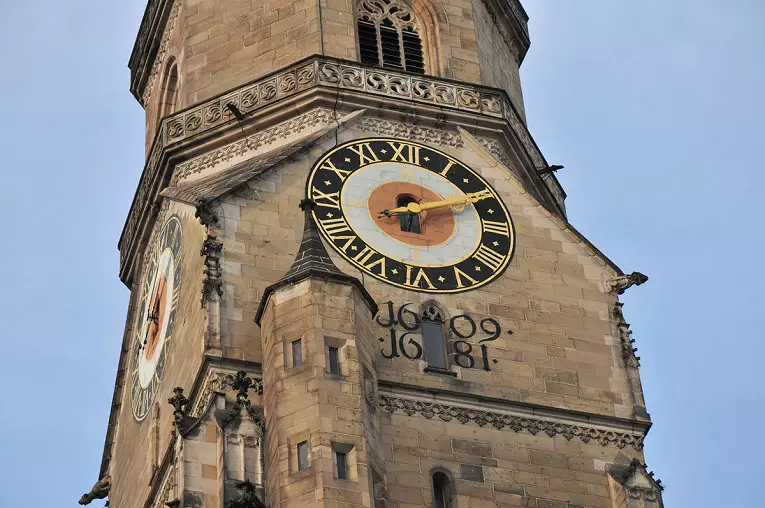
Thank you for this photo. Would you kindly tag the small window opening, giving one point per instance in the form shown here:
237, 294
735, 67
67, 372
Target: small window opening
341, 463
442, 497
333, 354
433, 337
297, 353
302, 455
410, 223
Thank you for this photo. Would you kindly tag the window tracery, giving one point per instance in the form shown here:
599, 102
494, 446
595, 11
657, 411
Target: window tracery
389, 35
433, 337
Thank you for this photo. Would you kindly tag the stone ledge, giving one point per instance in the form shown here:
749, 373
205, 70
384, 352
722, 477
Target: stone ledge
315, 74
519, 417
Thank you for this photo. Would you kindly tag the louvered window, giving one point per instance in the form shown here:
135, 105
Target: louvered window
388, 36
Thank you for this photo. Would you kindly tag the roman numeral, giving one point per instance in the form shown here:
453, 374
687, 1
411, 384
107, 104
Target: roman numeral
459, 274
365, 153
364, 258
330, 166
334, 228
447, 168
418, 279
331, 200
412, 155
500, 228
489, 257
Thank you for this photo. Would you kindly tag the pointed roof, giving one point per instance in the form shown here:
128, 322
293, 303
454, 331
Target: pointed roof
312, 260
311, 256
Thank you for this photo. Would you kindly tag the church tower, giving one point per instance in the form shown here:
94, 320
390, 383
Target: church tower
353, 282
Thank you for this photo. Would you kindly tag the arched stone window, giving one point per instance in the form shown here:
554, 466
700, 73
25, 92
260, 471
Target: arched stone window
433, 339
168, 99
389, 35
442, 491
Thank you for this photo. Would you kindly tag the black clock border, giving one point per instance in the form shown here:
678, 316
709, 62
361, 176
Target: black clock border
458, 170
174, 241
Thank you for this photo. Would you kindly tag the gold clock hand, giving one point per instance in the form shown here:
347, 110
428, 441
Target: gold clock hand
411, 208
469, 198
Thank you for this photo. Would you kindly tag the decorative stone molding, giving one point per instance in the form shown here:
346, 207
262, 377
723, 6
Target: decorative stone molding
427, 135
319, 116
242, 383
502, 421
634, 485
410, 132
212, 285
326, 73
167, 489
161, 57
218, 382
631, 362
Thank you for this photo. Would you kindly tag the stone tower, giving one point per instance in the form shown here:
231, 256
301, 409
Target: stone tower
353, 282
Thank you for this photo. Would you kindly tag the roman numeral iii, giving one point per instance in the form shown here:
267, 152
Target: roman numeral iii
500, 228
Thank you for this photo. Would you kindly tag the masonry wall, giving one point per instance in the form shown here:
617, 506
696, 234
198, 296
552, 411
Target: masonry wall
493, 468
564, 349
221, 44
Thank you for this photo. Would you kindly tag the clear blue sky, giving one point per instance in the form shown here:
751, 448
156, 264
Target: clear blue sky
654, 107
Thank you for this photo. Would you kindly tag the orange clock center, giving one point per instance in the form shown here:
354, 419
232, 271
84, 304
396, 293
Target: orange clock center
157, 310
437, 225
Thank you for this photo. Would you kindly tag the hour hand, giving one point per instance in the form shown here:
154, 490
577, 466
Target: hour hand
412, 208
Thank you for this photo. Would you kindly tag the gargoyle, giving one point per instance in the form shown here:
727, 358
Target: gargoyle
99, 491
623, 283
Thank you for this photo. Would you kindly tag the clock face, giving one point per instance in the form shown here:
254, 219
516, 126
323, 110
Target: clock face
156, 318
411, 216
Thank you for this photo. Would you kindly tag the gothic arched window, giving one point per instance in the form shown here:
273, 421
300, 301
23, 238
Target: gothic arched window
389, 35
442, 492
168, 100
433, 337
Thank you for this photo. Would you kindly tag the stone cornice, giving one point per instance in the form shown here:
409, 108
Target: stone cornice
379, 88
511, 16
147, 44
516, 416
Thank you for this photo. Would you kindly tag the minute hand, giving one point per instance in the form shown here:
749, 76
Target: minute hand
469, 198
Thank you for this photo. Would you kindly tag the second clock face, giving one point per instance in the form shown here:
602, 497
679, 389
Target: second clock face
411, 216
156, 318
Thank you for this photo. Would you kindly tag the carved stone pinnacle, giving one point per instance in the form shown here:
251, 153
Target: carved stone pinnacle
242, 383
179, 402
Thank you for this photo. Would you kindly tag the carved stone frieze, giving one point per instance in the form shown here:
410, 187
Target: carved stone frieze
427, 135
319, 116
212, 285
316, 71
410, 132
447, 413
